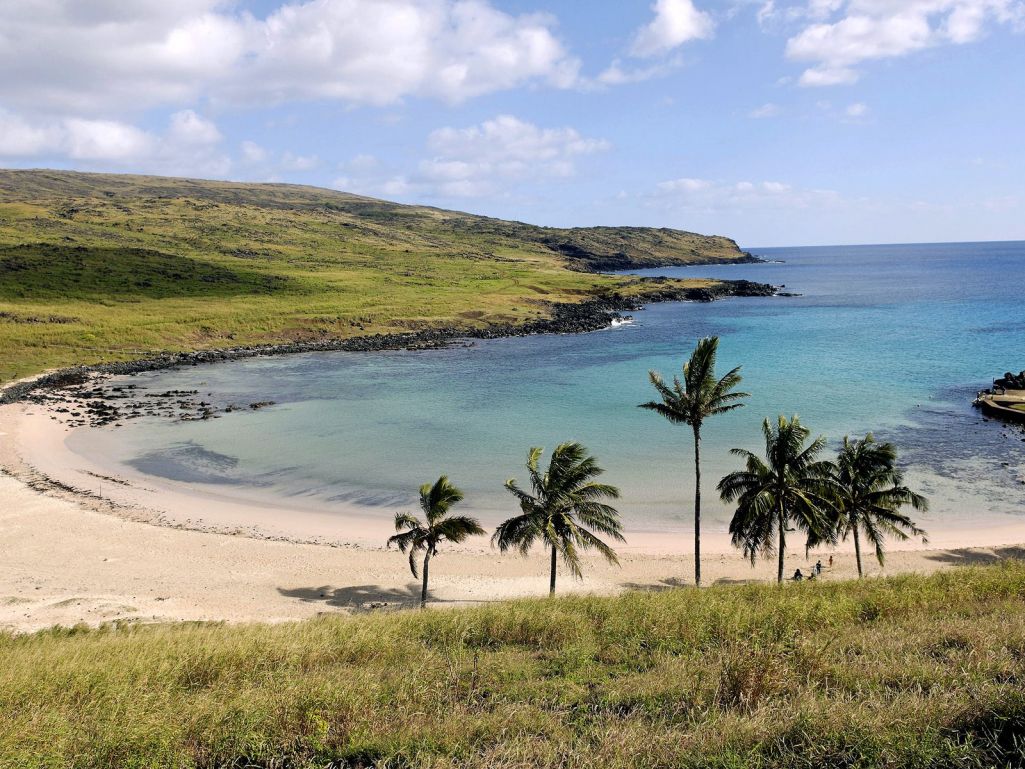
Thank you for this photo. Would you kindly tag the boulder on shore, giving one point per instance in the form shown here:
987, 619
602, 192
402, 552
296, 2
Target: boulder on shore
1011, 381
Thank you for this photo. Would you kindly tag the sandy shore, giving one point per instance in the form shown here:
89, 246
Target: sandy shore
82, 545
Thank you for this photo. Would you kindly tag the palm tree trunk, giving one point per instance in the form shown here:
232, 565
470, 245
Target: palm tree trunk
782, 546
423, 590
697, 506
555, 563
857, 550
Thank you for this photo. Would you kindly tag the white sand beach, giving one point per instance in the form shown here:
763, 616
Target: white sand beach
81, 544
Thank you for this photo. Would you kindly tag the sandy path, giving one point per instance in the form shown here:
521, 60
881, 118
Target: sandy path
68, 559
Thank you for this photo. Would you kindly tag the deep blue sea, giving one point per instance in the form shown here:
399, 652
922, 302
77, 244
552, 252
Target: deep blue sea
892, 339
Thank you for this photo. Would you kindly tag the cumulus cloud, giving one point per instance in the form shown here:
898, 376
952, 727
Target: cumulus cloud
676, 22
707, 196
189, 145
479, 159
104, 140
19, 138
880, 29
487, 159
80, 58
189, 128
856, 110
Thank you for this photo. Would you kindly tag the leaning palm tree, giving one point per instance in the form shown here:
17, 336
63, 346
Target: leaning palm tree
690, 402
790, 488
415, 536
565, 504
870, 493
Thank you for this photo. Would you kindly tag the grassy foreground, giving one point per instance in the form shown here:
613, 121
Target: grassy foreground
903, 672
100, 267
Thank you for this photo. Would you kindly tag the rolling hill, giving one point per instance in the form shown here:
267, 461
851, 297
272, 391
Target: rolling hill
103, 267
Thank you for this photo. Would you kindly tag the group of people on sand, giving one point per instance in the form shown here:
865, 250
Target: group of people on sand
813, 572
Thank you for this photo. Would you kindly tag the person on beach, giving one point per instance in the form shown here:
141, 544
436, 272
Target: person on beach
818, 567
830, 561
798, 576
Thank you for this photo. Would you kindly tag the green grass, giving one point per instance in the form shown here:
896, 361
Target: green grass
98, 267
904, 672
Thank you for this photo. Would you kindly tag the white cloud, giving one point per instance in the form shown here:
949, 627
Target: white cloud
707, 196
824, 76
766, 13
105, 140
857, 109
488, 159
189, 128
103, 57
293, 162
765, 111
479, 159
252, 152
676, 22
19, 138
92, 57
617, 74
362, 163
685, 185
397, 187
880, 29
508, 139
189, 145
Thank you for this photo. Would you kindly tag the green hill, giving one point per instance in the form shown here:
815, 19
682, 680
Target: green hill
100, 267
904, 672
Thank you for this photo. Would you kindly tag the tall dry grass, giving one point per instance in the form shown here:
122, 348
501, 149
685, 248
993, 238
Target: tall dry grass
909, 671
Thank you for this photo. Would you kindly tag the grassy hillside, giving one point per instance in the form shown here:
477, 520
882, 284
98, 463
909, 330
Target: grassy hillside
97, 267
906, 672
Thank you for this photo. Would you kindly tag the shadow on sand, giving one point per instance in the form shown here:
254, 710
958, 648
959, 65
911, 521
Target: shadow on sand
362, 598
669, 583
359, 597
975, 556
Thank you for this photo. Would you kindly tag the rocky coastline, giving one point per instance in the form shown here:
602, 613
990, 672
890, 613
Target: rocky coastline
1010, 381
94, 405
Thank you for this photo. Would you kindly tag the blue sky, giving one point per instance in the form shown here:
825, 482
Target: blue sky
774, 122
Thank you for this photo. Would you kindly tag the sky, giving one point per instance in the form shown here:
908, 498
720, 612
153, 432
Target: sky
770, 121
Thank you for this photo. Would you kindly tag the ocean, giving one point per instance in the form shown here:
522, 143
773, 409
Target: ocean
893, 339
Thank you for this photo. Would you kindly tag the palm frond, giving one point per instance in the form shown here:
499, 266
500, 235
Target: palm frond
457, 528
870, 493
562, 495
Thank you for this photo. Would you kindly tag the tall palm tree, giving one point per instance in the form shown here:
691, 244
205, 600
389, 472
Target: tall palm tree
790, 488
870, 493
435, 501
565, 504
699, 396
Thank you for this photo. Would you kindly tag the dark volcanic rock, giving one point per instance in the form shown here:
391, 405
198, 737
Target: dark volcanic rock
1011, 381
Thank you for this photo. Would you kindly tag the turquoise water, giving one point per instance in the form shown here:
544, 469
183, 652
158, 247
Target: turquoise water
893, 339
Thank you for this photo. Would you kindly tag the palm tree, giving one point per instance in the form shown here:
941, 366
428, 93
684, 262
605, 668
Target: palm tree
435, 501
565, 504
690, 402
870, 493
789, 489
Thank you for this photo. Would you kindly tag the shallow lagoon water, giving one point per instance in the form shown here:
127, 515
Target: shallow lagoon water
893, 339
